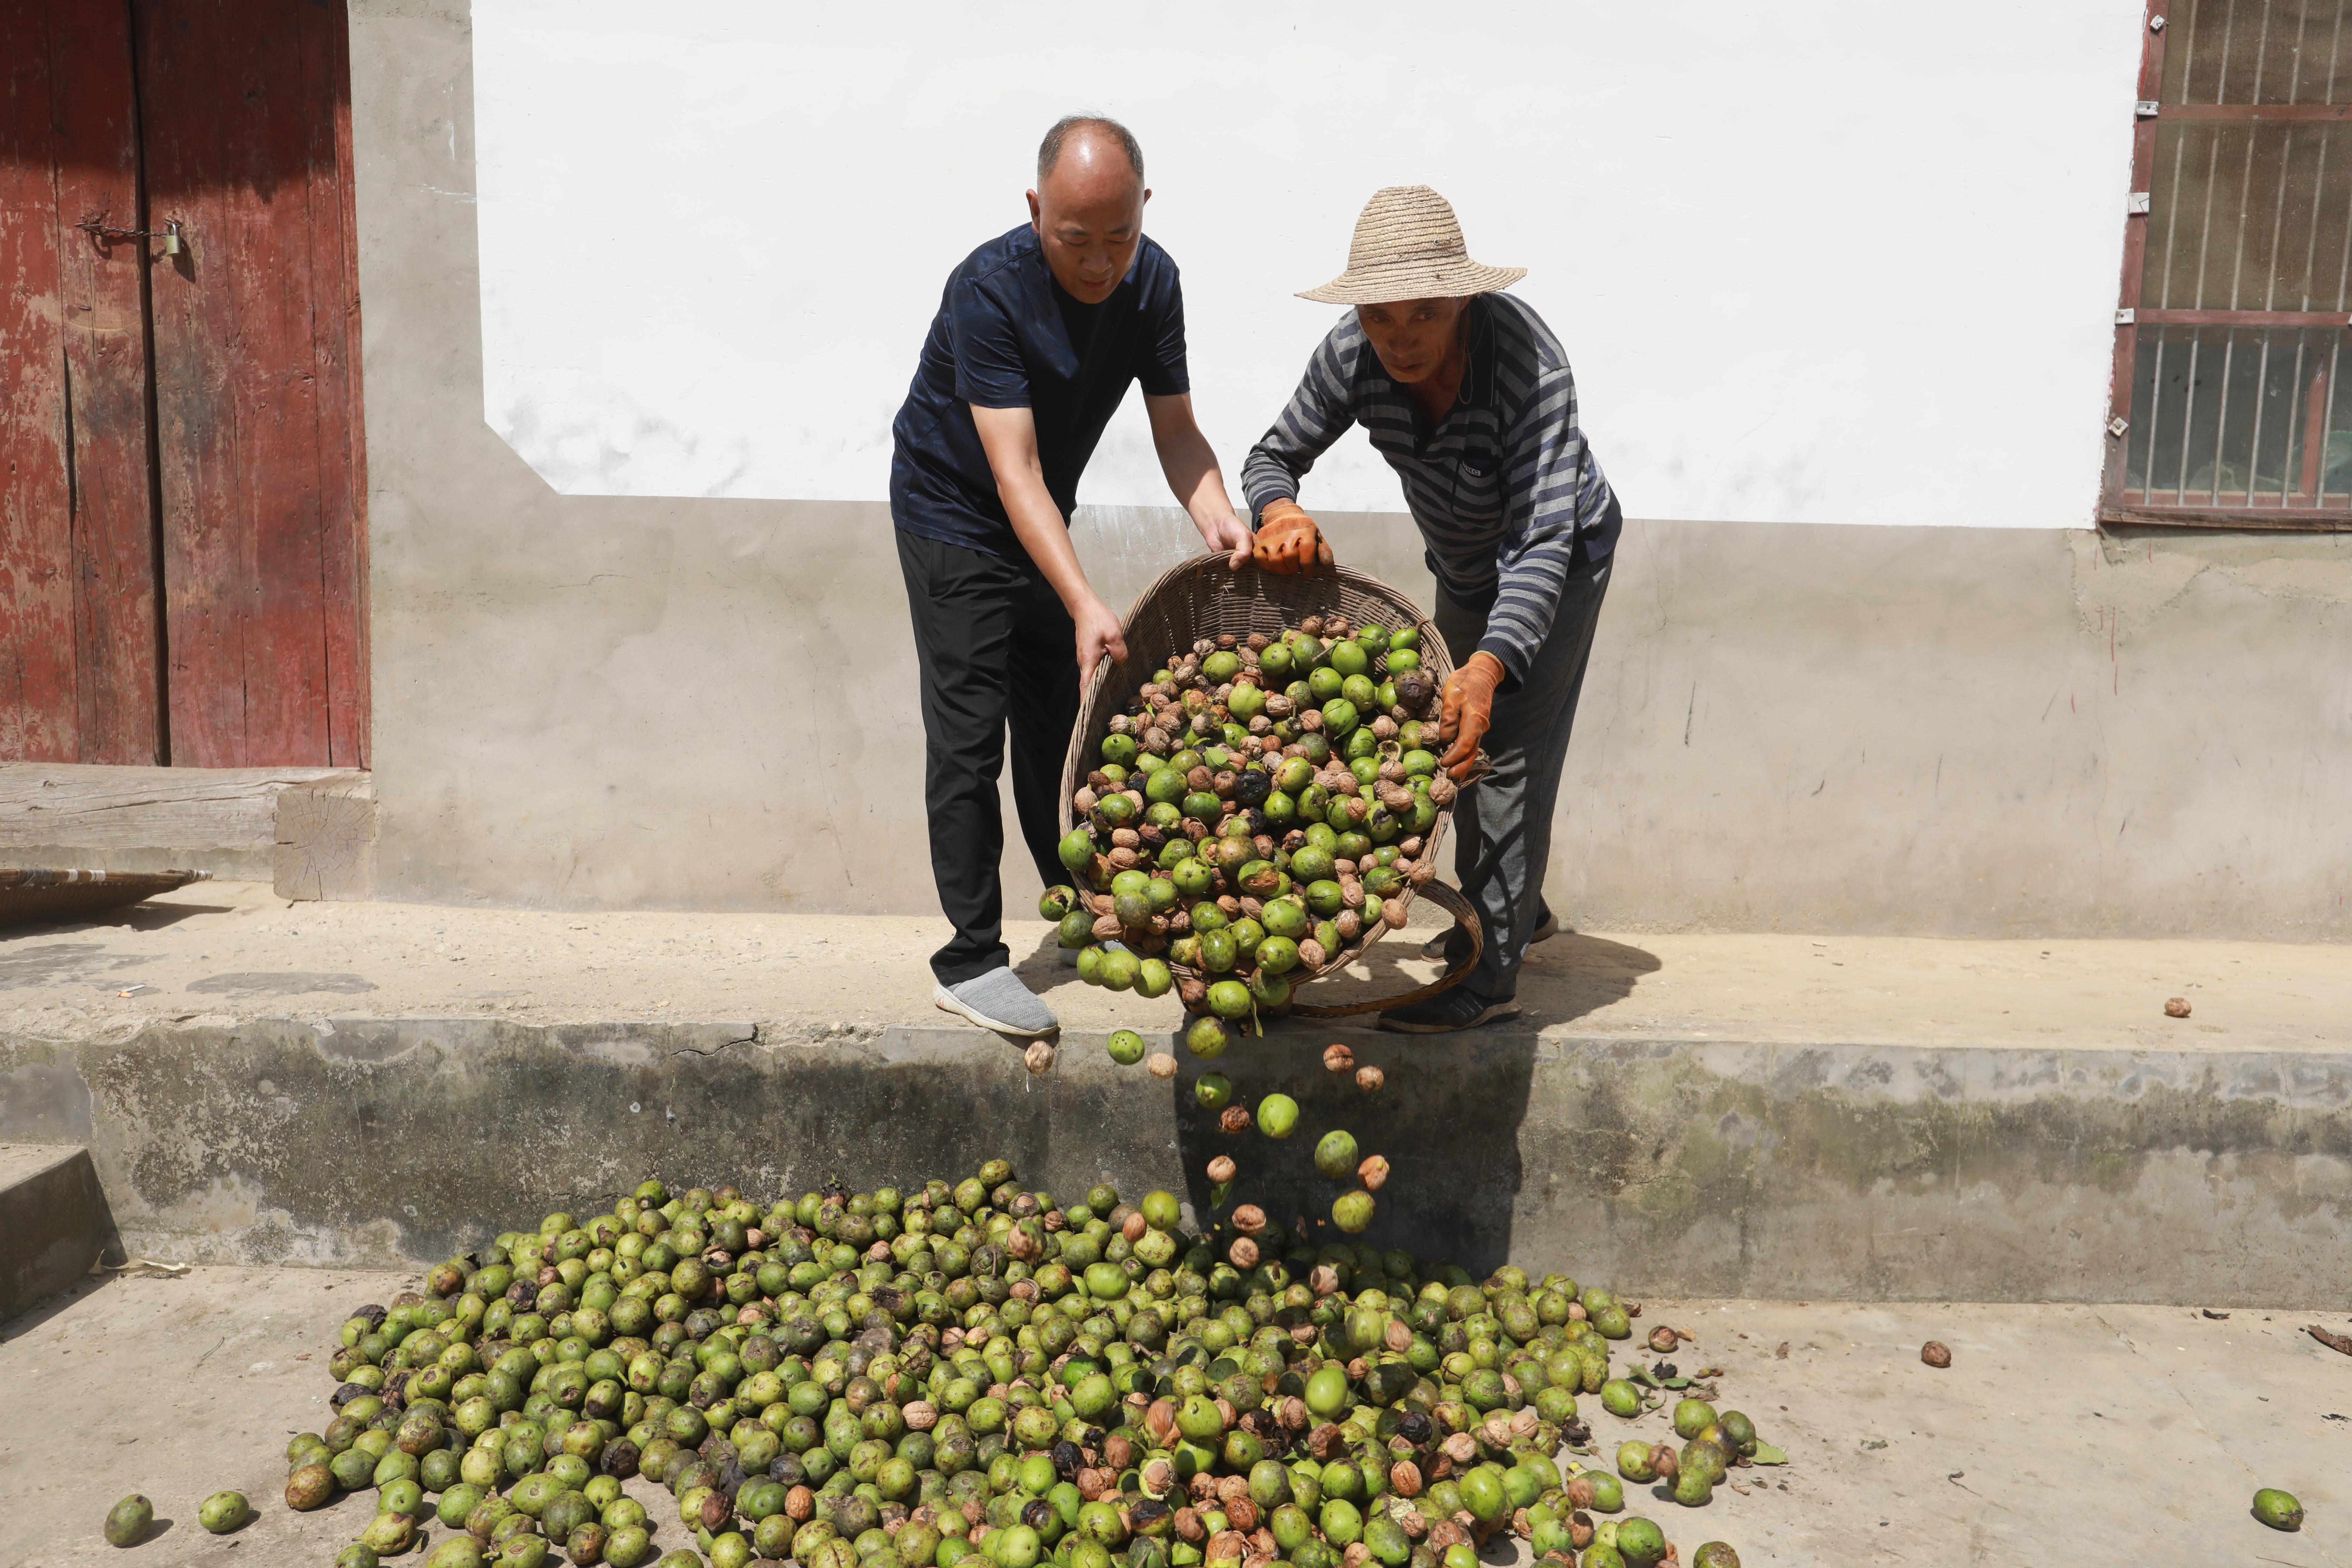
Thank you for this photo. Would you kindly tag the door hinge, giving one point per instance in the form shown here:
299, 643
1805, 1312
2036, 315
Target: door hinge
2124, 317
2140, 204
2117, 425
2147, 108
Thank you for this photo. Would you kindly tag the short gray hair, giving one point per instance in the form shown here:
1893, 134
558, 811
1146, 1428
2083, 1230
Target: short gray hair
1049, 150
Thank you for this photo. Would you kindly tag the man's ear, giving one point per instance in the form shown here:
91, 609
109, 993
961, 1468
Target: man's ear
1036, 218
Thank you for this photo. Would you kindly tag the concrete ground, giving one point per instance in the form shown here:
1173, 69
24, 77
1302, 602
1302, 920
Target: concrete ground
222, 951
2075, 1435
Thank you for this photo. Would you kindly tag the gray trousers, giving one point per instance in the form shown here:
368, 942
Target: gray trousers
1504, 822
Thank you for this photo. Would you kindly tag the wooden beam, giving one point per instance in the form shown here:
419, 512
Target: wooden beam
2242, 520
326, 840
104, 809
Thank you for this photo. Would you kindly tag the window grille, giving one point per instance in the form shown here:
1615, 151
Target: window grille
2231, 340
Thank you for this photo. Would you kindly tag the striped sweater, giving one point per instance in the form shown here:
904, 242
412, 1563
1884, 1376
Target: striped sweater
1504, 489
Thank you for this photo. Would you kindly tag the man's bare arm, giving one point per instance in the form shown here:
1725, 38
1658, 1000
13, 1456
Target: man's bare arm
1009, 436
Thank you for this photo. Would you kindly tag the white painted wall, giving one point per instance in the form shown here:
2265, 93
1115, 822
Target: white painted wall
1826, 261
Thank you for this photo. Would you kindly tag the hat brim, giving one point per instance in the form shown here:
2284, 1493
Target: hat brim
1414, 281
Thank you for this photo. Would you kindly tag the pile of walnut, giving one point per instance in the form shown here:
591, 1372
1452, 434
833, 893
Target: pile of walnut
1272, 795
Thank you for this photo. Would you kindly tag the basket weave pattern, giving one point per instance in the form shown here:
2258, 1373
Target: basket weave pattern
1206, 598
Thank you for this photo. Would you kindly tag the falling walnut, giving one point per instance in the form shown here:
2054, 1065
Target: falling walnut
2177, 1007
1936, 1352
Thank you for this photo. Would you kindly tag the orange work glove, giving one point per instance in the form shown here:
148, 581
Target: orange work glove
1469, 710
1288, 544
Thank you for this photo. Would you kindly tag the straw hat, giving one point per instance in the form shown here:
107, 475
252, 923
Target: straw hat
1409, 246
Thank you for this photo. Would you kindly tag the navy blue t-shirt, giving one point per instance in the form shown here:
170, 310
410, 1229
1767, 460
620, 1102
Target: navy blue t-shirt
1008, 336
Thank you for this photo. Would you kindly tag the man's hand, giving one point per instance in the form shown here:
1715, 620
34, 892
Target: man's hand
1098, 638
1230, 534
1288, 544
1469, 710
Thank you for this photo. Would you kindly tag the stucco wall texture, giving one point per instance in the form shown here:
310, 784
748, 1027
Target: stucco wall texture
633, 703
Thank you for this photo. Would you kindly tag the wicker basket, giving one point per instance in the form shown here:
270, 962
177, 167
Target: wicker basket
1206, 598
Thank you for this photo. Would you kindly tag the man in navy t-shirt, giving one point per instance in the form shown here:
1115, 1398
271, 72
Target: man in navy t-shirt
1039, 332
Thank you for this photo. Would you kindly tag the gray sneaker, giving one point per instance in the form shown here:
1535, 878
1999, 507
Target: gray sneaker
997, 1000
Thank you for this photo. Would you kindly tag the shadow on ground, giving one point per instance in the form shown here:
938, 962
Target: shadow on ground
1562, 980
49, 1307
1046, 967
129, 917
152, 916
1448, 1118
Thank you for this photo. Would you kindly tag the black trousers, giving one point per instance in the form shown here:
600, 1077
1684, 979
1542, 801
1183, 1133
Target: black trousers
995, 647
1505, 821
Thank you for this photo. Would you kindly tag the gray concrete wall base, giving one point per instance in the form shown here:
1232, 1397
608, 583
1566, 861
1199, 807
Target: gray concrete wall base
1685, 1168
53, 1220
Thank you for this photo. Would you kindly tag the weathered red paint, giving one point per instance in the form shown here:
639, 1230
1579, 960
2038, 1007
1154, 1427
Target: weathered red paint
37, 720
78, 677
246, 136
2314, 433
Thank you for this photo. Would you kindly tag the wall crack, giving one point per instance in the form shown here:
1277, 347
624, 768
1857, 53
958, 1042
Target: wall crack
751, 1039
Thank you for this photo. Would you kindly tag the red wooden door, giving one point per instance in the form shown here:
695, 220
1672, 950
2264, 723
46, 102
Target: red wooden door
182, 547
79, 671
246, 117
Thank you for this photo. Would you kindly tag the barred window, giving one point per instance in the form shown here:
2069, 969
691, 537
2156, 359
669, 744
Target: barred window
2231, 340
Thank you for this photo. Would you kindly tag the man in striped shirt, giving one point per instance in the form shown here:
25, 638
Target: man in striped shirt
1468, 396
